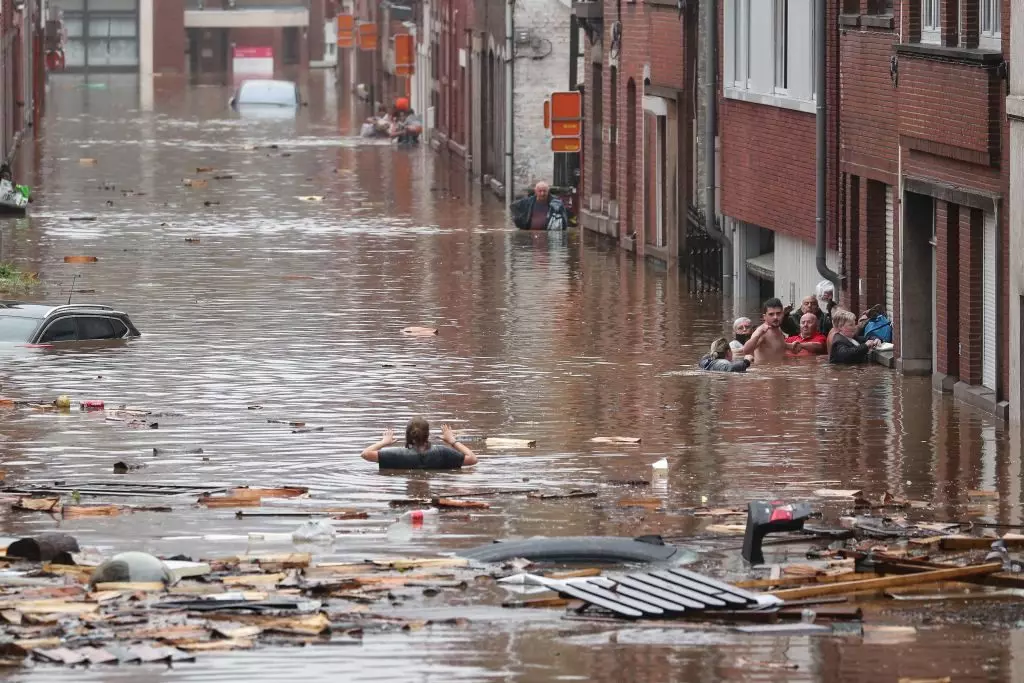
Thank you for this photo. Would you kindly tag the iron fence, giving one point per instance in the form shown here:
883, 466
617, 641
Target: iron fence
701, 255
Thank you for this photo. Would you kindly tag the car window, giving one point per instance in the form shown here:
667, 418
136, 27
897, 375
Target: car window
60, 330
15, 329
120, 329
92, 327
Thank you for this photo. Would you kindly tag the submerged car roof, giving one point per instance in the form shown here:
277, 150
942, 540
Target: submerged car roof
258, 91
21, 309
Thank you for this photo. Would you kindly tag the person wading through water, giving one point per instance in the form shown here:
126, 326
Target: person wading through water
768, 344
540, 211
418, 454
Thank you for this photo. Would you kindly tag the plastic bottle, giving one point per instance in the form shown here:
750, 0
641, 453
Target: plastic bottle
417, 517
91, 405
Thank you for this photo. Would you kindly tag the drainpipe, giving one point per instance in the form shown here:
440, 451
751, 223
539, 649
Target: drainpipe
710, 133
510, 60
821, 19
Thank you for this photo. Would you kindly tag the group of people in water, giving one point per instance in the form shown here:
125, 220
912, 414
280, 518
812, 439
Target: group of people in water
401, 124
819, 328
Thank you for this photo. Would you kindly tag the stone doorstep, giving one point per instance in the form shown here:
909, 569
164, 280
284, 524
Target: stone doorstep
982, 398
883, 358
599, 223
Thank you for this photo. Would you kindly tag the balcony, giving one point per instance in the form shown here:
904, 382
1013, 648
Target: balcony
246, 13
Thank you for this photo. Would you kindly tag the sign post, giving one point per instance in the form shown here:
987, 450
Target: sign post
564, 113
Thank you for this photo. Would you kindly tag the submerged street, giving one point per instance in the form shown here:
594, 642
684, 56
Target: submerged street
291, 308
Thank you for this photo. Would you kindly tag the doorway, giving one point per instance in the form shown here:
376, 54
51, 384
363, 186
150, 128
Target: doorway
917, 276
630, 157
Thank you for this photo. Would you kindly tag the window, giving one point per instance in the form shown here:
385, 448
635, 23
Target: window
95, 328
120, 329
61, 330
879, 6
781, 41
15, 329
931, 21
991, 28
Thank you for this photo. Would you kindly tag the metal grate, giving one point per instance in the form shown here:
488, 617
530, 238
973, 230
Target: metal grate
113, 488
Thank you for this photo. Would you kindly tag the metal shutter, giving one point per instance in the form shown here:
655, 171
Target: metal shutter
989, 301
890, 256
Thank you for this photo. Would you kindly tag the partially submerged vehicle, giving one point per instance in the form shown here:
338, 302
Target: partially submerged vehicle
591, 549
44, 326
266, 98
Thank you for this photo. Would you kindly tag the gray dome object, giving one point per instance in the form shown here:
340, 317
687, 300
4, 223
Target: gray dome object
131, 567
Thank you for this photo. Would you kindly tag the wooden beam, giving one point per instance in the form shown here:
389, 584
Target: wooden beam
916, 579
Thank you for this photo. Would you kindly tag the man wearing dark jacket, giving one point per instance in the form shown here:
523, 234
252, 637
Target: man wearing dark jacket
540, 211
719, 359
846, 348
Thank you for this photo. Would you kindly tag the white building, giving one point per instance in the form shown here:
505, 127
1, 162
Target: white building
1015, 109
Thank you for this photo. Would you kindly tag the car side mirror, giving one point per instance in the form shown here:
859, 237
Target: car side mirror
231, 103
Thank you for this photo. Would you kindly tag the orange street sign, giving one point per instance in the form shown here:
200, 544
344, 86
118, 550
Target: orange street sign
405, 54
346, 31
567, 106
565, 144
547, 114
368, 36
566, 129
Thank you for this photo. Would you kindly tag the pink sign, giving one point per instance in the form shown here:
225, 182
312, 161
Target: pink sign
253, 53
252, 61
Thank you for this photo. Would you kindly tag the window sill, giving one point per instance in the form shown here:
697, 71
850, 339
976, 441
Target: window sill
806, 106
878, 21
956, 55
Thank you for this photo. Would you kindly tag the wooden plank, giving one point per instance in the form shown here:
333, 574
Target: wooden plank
890, 581
675, 589
789, 581
978, 543
501, 442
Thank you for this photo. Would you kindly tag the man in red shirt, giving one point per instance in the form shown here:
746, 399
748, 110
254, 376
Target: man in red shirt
810, 342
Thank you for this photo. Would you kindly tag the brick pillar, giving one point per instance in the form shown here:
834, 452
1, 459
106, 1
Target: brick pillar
950, 22
872, 245
947, 288
970, 28
854, 200
972, 226
911, 9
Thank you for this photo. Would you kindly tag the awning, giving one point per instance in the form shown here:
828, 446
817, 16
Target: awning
762, 266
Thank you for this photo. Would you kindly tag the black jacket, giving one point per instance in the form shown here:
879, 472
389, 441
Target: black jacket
712, 364
846, 351
522, 213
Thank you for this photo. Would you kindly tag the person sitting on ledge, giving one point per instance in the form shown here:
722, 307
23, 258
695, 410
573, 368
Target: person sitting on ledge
418, 454
846, 347
719, 359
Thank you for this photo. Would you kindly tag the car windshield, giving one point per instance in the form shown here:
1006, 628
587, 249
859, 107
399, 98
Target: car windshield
15, 329
280, 93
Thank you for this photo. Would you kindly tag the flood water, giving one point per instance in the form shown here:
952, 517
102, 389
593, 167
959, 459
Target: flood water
297, 306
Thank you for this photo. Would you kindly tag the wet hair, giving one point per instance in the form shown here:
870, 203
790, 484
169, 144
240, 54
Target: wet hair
417, 433
720, 347
842, 317
740, 321
774, 302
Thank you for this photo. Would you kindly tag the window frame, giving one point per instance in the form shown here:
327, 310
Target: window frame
41, 335
990, 29
931, 22
780, 46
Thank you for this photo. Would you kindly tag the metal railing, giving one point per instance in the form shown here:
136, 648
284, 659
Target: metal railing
701, 255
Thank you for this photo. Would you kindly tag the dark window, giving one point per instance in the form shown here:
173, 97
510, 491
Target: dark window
120, 329
95, 328
61, 330
879, 6
291, 45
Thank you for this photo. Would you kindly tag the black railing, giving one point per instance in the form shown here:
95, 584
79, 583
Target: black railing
702, 255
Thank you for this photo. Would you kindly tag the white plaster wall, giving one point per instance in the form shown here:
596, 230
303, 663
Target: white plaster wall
535, 79
1015, 108
796, 269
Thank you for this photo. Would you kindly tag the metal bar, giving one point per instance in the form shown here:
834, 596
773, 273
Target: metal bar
699, 587
586, 587
676, 589
631, 582
646, 595
565, 588
714, 583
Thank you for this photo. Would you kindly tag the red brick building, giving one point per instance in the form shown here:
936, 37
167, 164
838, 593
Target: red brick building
639, 105
917, 163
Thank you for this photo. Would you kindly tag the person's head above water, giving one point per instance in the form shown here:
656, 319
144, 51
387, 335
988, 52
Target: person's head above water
771, 313
417, 433
540, 191
720, 348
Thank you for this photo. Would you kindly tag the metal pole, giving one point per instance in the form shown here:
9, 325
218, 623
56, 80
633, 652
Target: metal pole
510, 60
710, 134
821, 236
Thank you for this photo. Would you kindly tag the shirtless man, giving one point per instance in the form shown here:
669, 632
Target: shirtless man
768, 343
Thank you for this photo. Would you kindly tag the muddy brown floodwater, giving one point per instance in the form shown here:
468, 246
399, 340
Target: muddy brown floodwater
297, 306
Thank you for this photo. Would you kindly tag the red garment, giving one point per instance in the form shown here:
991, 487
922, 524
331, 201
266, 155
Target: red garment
816, 338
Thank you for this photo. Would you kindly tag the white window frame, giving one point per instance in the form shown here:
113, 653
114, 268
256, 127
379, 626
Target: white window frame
931, 21
780, 46
990, 25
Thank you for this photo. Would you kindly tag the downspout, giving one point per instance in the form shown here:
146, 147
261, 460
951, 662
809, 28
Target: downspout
821, 236
510, 60
710, 133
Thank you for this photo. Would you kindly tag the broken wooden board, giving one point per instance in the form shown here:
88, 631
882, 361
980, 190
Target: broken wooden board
132, 586
235, 631
920, 578
838, 493
76, 511
452, 503
216, 645
419, 331
277, 492
55, 607
254, 580
51, 504
502, 442
624, 440
1013, 542
416, 563
726, 529
560, 495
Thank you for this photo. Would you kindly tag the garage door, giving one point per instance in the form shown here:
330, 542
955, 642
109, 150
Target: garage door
989, 300
890, 253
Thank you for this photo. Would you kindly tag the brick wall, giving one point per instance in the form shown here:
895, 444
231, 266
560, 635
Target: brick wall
868, 116
169, 39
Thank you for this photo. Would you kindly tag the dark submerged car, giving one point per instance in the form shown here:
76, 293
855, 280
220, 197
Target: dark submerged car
27, 324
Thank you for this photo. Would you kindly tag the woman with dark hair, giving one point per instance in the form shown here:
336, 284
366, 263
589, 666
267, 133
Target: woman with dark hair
418, 454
